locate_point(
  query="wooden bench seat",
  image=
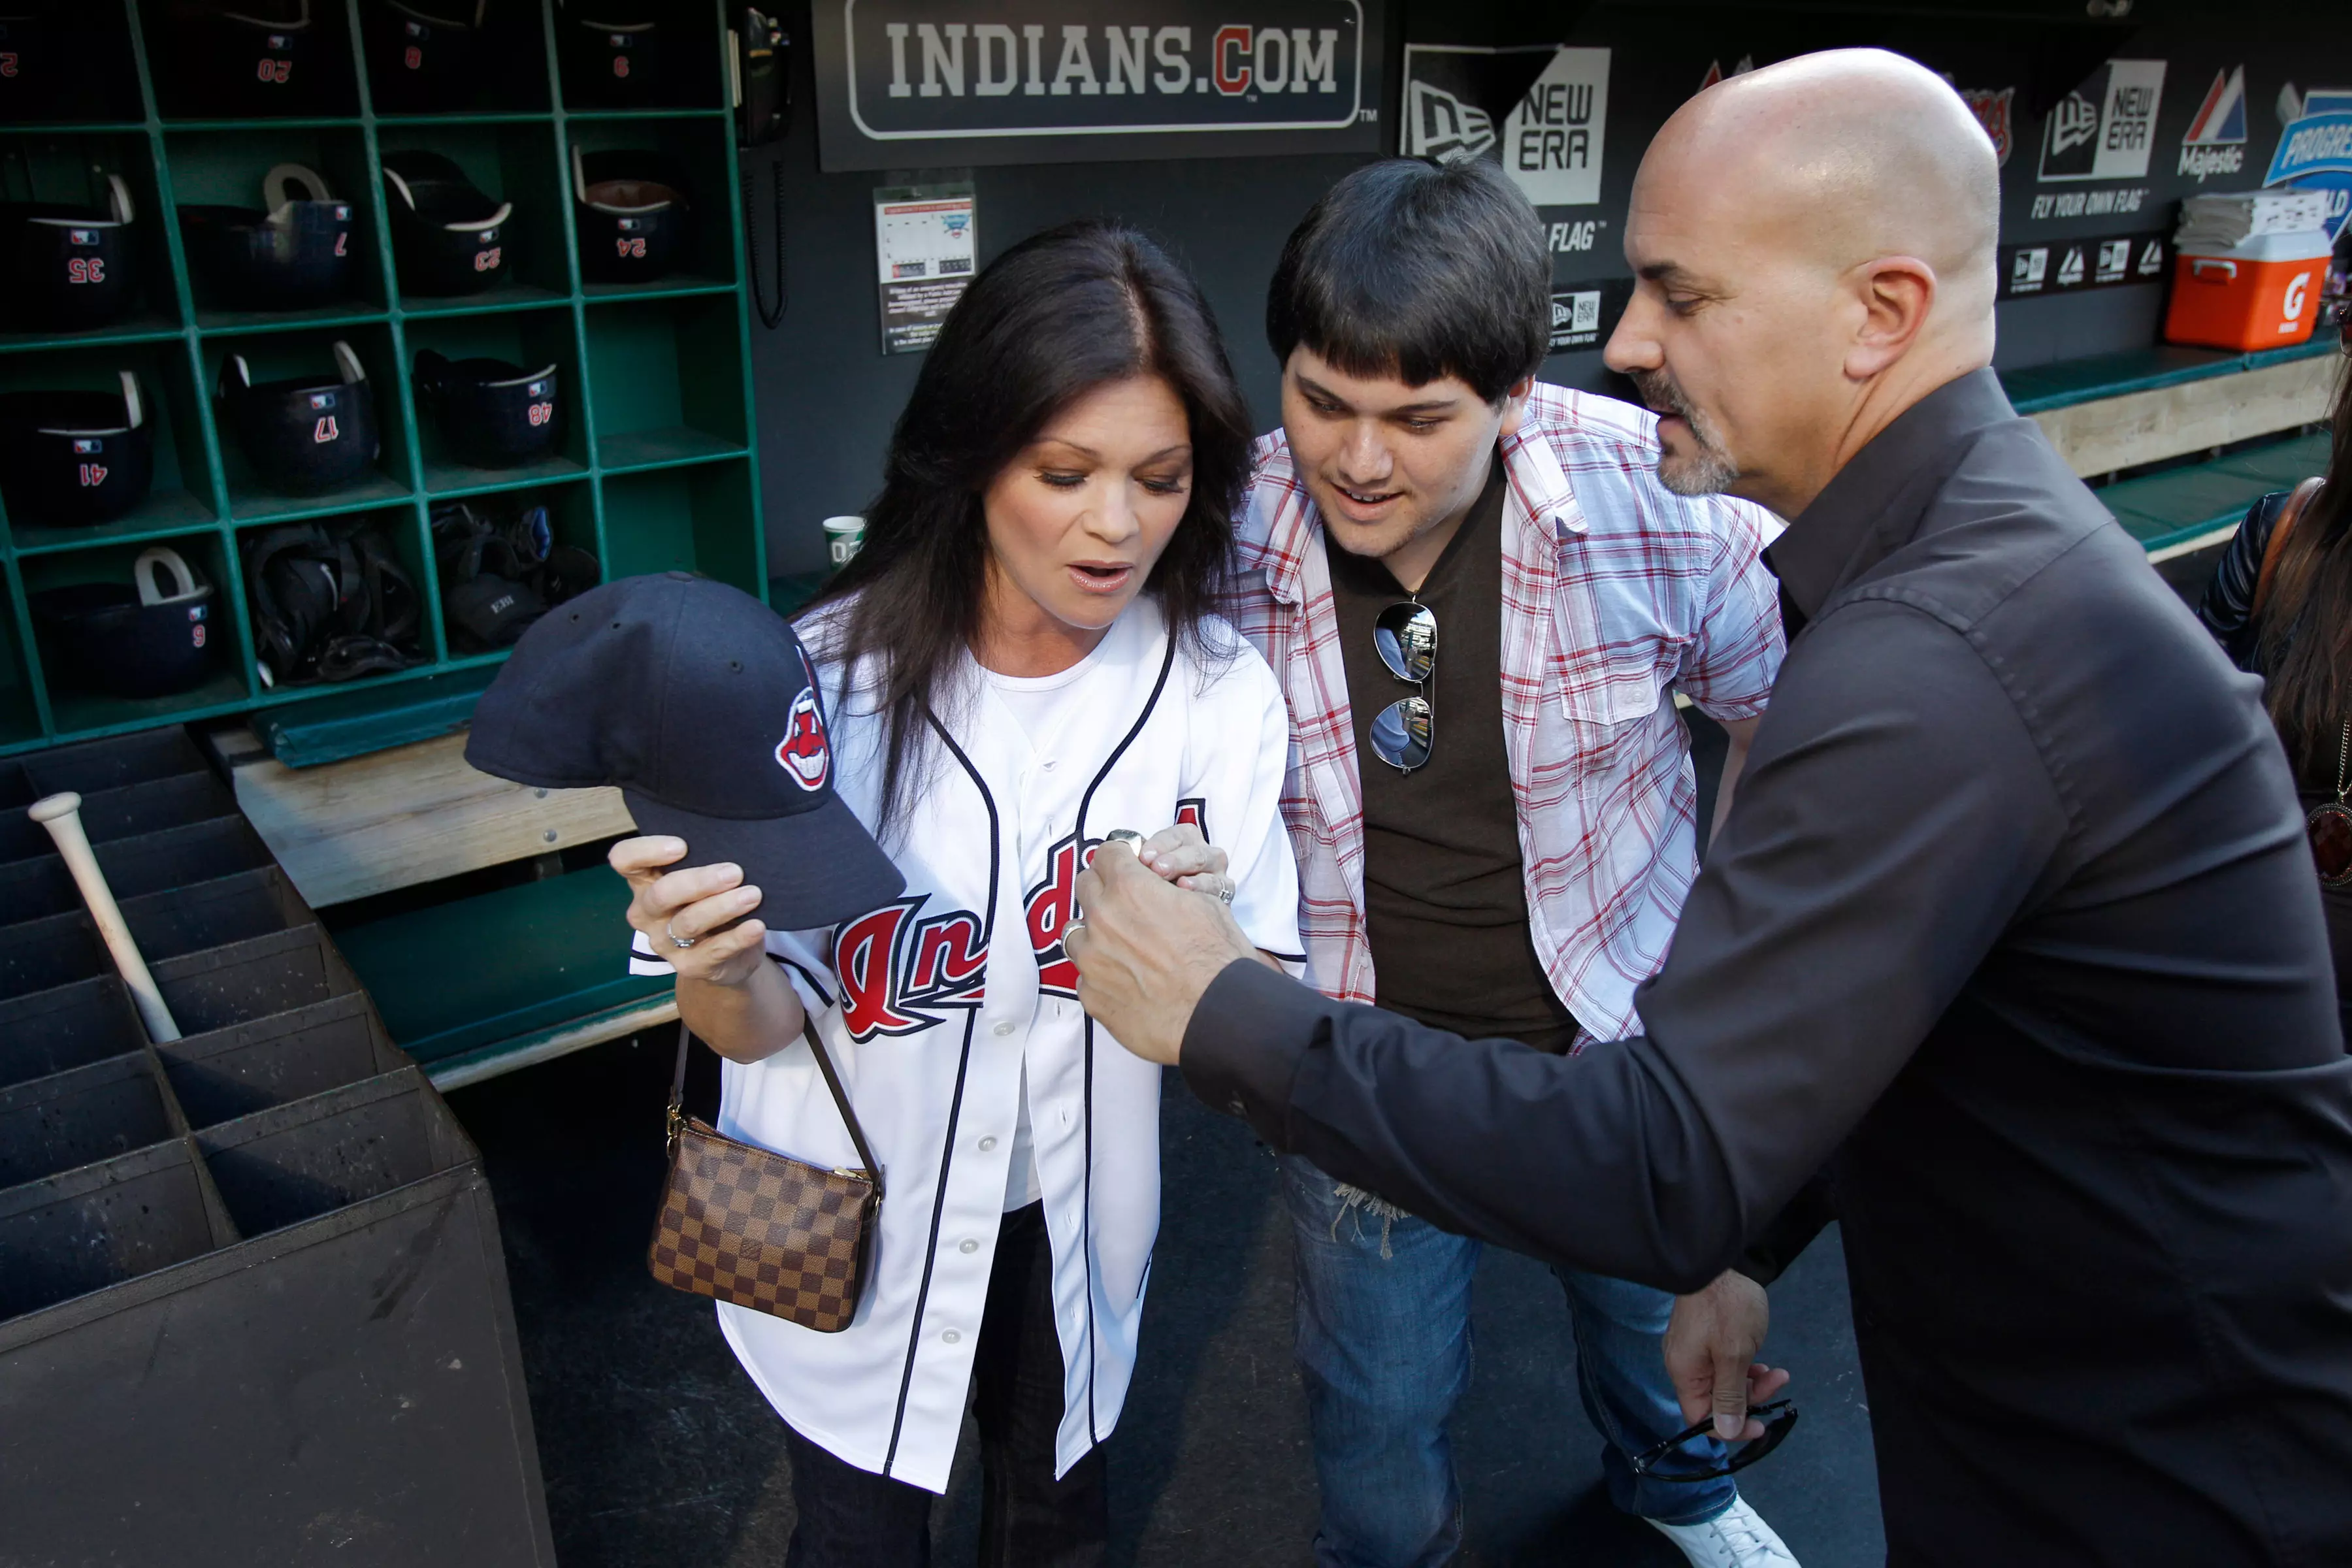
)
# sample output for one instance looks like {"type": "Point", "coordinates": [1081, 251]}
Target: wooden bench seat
{"type": "Point", "coordinates": [2121, 411]}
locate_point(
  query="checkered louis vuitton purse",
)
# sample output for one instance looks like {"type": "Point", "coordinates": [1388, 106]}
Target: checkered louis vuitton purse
{"type": "Point", "coordinates": [748, 1226]}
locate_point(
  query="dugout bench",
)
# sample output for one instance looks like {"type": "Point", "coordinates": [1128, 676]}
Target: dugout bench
{"type": "Point", "coordinates": [480, 916]}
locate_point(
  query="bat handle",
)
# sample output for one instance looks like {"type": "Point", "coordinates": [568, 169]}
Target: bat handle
{"type": "Point", "coordinates": [61, 815]}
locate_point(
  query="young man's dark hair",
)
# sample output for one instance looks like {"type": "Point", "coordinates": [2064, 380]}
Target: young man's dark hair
{"type": "Point", "coordinates": [1418, 269]}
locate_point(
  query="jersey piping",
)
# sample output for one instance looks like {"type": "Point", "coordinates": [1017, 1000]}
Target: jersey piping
{"type": "Point", "coordinates": [955, 1107]}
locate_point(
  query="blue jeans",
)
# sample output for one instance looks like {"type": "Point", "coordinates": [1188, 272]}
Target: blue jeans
{"type": "Point", "coordinates": [1384, 1348]}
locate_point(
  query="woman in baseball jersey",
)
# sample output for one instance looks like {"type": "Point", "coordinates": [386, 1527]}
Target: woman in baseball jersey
{"type": "Point", "coordinates": [1022, 660]}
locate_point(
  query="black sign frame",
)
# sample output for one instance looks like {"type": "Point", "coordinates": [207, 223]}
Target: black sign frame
{"type": "Point", "coordinates": [909, 84]}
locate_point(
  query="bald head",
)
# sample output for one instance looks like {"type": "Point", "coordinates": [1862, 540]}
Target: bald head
{"type": "Point", "coordinates": [1814, 243]}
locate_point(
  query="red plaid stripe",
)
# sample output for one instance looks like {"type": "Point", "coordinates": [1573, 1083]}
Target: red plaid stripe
{"type": "Point", "coordinates": [1614, 590]}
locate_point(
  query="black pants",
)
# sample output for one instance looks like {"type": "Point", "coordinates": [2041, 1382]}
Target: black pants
{"type": "Point", "coordinates": [850, 1518]}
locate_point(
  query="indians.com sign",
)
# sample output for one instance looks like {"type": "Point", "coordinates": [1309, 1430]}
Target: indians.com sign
{"type": "Point", "coordinates": [1239, 60]}
{"type": "Point", "coordinates": [909, 72]}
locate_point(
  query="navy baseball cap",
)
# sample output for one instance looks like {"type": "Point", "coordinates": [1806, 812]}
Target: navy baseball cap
{"type": "Point", "coordinates": [698, 702]}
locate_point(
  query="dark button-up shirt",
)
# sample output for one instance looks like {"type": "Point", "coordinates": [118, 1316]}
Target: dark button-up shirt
{"type": "Point", "coordinates": [2012, 930]}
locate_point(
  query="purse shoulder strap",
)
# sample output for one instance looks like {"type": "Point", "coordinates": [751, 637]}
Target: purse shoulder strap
{"type": "Point", "coordinates": [831, 1081]}
{"type": "Point", "coordinates": [2274, 548]}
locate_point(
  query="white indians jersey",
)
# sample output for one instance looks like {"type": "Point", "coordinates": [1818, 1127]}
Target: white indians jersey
{"type": "Point", "coordinates": [931, 1004]}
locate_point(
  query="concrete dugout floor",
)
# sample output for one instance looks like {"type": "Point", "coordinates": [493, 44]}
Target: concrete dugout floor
{"type": "Point", "coordinates": [656, 1447]}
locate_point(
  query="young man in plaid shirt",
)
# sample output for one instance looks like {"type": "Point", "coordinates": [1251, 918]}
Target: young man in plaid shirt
{"type": "Point", "coordinates": [1480, 582]}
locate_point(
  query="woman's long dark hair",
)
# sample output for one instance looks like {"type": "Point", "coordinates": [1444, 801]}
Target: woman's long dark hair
{"type": "Point", "coordinates": [2306, 646]}
{"type": "Point", "coordinates": [1052, 319]}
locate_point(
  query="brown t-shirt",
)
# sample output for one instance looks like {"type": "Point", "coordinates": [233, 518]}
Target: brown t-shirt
{"type": "Point", "coordinates": [1445, 893]}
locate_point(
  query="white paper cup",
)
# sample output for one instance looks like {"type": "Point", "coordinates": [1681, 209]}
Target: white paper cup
{"type": "Point", "coordinates": [843, 535]}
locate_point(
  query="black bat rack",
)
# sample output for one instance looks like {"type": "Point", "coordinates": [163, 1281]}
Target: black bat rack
{"type": "Point", "coordinates": [251, 1278]}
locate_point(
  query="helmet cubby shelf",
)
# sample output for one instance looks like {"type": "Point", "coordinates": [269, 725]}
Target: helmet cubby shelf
{"type": "Point", "coordinates": [305, 422]}
{"type": "Point", "coordinates": [396, 529]}
{"type": "Point", "coordinates": [442, 183]}
{"type": "Point", "coordinates": [654, 219]}
{"type": "Point", "coordinates": [266, 217]}
{"type": "Point", "coordinates": [78, 482]}
{"type": "Point", "coordinates": [69, 65]}
{"type": "Point", "coordinates": [58, 272]}
{"type": "Point", "coordinates": [679, 520]}
{"type": "Point", "coordinates": [497, 400]}
{"type": "Point", "coordinates": [642, 457]}
{"type": "Point", "coordinates": [256, 59]}
{"type": "Point", "coordinates": [649, 400]}
{"type": "Point", "coordinates": [454, 59]}
{"type": "Point", "coordinates": [77, 701]}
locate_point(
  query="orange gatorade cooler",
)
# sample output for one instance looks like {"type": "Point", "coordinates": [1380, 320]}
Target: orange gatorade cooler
{"type": "Point", "coordinates": [2262, 293]}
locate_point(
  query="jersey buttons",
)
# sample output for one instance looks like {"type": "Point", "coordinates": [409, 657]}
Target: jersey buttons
{"type": "Point", "coordinates": [951, 1338]}
{"type": "Point", "coordinates": [1004, 1026]}
{"type": "Point", "coordinates": [986, 1144]}
{"type": "Point", "coordinates": [967, 1245]}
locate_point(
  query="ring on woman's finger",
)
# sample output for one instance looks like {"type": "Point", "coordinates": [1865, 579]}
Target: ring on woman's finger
{"type": "Point", "coordinates": [670, 929]}
{"type": "Point", "coordinates": [1215, 885]}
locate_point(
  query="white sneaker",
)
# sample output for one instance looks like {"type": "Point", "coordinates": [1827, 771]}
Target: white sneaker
{"type": "Point", "coordinates": [1735, 1538]}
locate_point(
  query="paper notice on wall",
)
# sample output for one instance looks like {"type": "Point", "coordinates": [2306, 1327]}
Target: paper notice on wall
{"type": "Point", "coordinates": [926, 248]}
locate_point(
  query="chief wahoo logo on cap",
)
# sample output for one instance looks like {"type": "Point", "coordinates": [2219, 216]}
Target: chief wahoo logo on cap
{"type": "Point", "coordinates": [803, 750]}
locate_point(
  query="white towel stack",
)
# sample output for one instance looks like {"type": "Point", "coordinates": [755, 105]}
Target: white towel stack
{"type": "Point", "coordinates": [2223, 220]}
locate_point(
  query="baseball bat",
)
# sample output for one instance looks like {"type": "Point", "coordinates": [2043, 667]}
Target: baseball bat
{"type": "Point", "coordinates": [61, 815]}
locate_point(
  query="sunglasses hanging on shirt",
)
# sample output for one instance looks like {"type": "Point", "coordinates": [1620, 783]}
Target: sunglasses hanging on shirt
{"type": "Point", "coordinates": [1404, 731]}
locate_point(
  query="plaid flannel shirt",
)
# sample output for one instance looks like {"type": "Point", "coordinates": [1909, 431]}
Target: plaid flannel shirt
{"type": "Point", "coordinates": [1614, 590]}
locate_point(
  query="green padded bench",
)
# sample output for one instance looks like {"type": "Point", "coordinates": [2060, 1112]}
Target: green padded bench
{"type": "Point", "coordinates": [487, 984]}
{"type": "Point", "coordinates": [2190, 509]}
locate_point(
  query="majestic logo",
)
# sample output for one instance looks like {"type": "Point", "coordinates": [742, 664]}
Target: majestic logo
{"type": "Point", "coordinates": [803, 752]}
{"type": "Point", "coordinates": [1716, 73]}
{"type": "Point", "coordinates": [2103, 128]}
{"type": "Point", "coordinates": [2216, 142]}
{"type": "Point", "coordinates": [1992, 109]}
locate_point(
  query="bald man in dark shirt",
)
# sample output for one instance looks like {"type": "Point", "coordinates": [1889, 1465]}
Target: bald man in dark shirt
{"type": "Point", "coordinates": [2009, 955]}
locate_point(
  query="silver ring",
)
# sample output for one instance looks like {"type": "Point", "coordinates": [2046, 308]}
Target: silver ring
{"type": "Point", "coordinates": [1122, 836]}
{"type": "Point", "coordinates": [670, 931]}
{"type": "Point", "coordinates": [1225, 891]}
{"type": "Point", "coordinates": [1068, 929]}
